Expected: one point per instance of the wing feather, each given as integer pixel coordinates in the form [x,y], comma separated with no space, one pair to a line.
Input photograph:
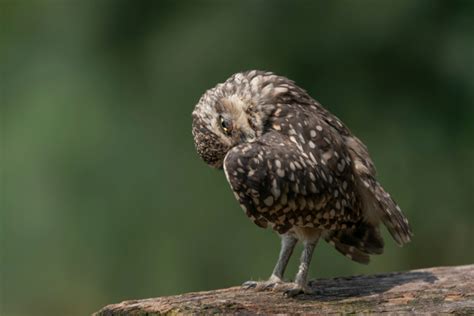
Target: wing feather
[277,183]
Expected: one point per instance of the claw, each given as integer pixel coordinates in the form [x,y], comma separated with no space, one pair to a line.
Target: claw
[261,286]
[293,292]
[249,285]
[266,286]
[298,290]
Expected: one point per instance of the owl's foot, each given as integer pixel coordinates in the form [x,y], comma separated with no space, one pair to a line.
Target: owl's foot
[268,285]
[297,289]
[259,286]
[249,284]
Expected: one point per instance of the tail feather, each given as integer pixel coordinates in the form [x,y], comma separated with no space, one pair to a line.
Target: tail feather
[391,214]
[378,205]
[357,243]
[350,252]
[365,237]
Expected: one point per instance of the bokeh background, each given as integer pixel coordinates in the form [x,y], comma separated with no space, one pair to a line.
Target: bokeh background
[103,196]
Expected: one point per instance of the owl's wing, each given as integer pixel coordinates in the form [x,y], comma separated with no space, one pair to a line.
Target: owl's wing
[378,203]
[277,183]
[357,150]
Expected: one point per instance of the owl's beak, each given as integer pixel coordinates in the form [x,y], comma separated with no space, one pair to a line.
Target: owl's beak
[246,135]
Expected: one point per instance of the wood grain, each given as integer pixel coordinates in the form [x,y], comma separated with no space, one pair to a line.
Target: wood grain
[434,290]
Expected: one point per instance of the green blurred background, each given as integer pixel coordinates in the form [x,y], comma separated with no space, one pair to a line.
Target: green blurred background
[103,196]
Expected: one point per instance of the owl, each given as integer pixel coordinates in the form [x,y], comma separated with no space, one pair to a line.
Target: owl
[295,168]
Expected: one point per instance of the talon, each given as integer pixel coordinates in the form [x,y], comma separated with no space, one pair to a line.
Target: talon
[261,286]
[298,290]
[264,286]
[249,285]
[293,292]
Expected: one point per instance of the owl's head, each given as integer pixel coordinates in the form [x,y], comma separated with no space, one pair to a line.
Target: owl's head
[235,112]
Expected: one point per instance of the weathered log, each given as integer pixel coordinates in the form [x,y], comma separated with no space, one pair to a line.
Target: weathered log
[435,290]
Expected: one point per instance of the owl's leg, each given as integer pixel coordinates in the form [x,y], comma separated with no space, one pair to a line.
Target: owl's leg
[288,243]
[301,280]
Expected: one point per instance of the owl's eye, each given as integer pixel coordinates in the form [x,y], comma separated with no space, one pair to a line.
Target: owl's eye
[226,126]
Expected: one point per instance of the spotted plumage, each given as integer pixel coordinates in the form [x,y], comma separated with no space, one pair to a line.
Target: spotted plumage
[295,167]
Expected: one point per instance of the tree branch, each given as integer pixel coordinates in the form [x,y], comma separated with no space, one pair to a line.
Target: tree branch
[435,290]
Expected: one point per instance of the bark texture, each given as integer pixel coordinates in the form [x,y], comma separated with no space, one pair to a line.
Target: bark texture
[435,290]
